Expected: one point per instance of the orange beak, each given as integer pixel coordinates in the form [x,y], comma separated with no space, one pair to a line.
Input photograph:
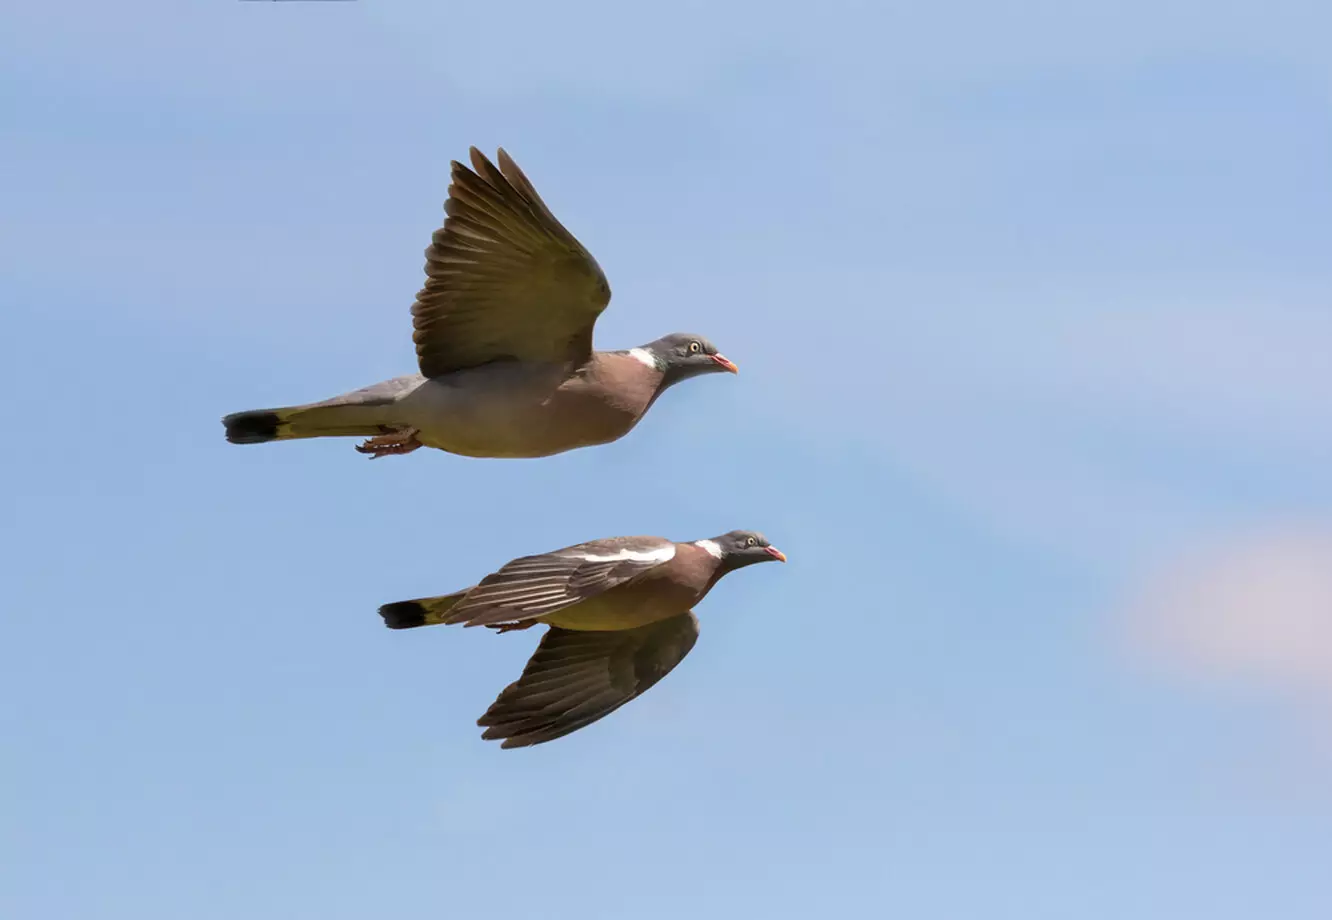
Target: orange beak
[726,363]
[775,553]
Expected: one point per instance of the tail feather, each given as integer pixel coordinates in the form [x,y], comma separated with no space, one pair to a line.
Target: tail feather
[254,427]
[260,425]
[362,413]
[424,611]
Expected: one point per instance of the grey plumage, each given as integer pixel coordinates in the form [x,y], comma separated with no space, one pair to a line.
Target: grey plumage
[357,414]
[620,617]
[503,330]
[536,586]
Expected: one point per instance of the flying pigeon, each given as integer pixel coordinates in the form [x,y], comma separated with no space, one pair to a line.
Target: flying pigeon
[503,333]
[620,619]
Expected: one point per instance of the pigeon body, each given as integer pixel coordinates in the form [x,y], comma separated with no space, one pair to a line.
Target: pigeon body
[503,333]
[620,616]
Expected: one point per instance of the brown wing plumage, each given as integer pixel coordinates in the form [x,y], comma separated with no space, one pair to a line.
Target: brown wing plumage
[534,586]
[505,279]
[575,678]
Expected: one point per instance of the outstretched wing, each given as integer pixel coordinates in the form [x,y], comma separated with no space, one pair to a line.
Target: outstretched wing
[504,278]
[534,586]
[576,678]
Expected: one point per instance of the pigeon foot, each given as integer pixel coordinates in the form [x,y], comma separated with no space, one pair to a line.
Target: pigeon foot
[510,627]
[389,445]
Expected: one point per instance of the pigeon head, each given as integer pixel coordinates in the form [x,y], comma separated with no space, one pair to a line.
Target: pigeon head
[681,355]
[740,548]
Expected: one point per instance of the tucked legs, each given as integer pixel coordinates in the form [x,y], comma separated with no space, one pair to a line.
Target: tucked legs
[391,444]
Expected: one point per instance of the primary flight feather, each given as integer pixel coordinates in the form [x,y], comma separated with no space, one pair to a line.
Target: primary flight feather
[503,333]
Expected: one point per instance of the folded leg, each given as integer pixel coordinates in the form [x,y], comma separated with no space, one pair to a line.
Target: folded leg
[388,445]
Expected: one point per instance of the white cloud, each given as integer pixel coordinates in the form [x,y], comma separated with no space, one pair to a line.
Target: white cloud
[1254,613]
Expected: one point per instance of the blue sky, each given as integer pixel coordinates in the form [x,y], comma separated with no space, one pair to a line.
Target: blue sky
[1032,307]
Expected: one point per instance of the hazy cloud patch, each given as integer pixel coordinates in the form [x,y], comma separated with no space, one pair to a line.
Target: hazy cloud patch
[1253,613]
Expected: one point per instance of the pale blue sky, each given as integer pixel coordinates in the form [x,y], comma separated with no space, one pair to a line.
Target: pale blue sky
[1033,306]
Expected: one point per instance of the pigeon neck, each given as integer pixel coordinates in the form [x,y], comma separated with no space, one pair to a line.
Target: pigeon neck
[671,374]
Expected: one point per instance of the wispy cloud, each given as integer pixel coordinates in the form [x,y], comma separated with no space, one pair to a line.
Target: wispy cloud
[1254,613]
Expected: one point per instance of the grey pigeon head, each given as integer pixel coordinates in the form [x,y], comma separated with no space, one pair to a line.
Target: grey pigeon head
[509,294]
[682,355]
[740,548]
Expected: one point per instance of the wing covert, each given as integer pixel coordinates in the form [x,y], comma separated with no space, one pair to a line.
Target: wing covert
[534,586]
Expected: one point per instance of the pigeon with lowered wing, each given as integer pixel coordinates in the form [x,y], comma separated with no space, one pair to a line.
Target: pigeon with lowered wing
[620,619]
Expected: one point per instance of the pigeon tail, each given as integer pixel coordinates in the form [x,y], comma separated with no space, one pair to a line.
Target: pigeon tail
[321,421]
[364,413]
[254,427]
[424,611]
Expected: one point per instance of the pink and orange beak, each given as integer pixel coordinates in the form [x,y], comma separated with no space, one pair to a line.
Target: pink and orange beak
[723,361]
[775,553]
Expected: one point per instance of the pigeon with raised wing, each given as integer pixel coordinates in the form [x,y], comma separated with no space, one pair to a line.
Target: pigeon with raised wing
[503,333]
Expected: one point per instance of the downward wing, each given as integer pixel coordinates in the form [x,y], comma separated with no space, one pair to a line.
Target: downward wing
[534,586]
[504,278]
[576,678]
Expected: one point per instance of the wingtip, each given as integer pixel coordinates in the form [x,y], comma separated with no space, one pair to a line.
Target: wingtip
[515,741]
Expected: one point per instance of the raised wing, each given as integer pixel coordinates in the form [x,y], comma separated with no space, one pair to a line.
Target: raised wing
[504,278]
[576,678]
[534,586]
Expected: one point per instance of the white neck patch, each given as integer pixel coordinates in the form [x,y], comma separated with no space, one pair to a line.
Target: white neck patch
[645,356]
[710,547]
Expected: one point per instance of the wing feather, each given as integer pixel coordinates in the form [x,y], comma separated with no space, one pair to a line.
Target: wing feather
[534,586]
[504,278]
[575,678]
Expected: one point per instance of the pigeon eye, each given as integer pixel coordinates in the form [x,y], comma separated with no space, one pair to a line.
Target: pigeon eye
[750,542]
[694,347]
